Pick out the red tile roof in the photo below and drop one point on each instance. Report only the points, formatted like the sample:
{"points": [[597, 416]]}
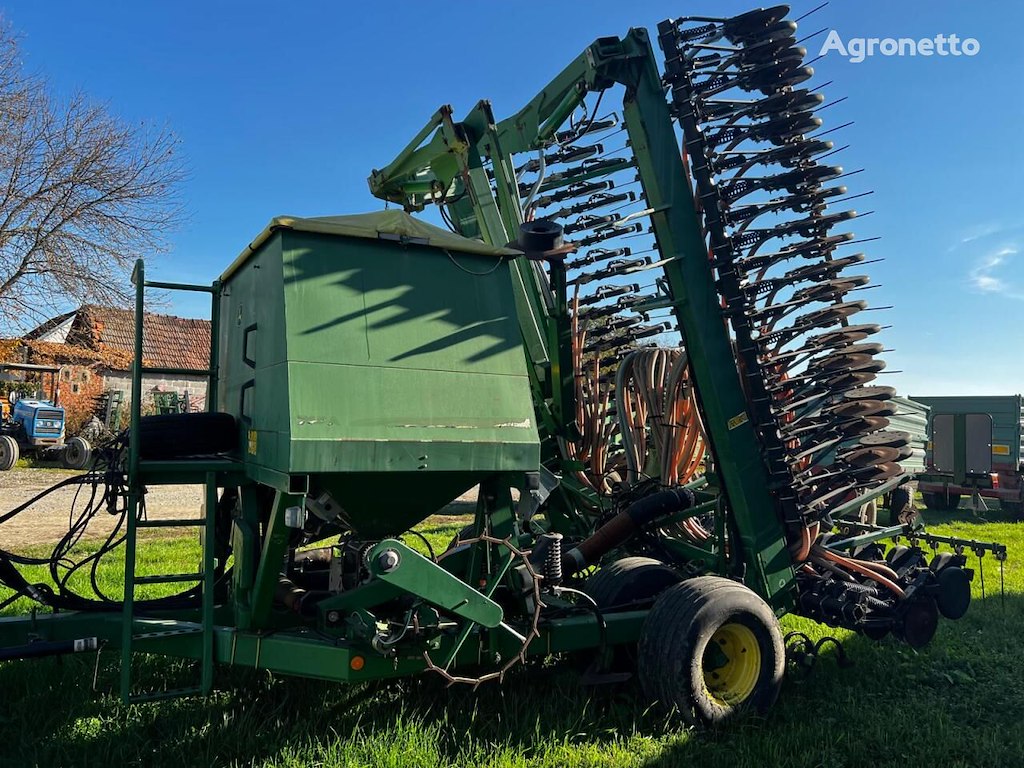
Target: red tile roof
{"points": [[167, 341]]}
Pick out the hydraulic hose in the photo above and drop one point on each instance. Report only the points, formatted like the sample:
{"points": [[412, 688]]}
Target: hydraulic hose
{"points": [[620, 528]]}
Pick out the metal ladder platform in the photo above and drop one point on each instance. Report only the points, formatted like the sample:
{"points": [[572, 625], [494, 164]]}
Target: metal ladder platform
{"points": [[205, 471]]}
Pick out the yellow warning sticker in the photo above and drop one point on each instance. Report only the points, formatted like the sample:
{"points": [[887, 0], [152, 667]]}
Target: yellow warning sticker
{"points": [[1000, 450], [252, 441], [736, 420]]}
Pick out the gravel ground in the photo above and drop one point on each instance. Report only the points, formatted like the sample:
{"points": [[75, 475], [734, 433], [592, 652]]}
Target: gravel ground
{"points": [[47, 520]]}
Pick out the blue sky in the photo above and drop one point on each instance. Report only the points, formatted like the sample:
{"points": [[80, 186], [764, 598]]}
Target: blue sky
{"points": [[284, 109]]}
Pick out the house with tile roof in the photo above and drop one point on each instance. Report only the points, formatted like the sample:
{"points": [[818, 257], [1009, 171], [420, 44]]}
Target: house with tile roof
{"points": [[102, 341]]}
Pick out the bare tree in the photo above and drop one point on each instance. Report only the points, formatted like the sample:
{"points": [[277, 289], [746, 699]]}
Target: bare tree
{"points": [[82, 194]]}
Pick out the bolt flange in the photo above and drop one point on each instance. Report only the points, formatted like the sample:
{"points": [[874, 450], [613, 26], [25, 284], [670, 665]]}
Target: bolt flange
{"points": [[388, 560]]}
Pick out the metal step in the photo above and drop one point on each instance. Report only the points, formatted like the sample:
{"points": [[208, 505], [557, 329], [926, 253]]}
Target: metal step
{"points": [[189, 471]]}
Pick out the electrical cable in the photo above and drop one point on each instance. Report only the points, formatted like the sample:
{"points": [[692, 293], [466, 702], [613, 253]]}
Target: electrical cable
{"points": [[426, 543], [490, 271], [63, 564], [528, 205]]}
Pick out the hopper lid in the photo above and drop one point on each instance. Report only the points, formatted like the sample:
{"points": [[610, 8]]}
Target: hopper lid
{"points": [[394, 225]]}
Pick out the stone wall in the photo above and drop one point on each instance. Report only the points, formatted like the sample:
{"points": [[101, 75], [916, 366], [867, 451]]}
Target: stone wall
{"points": [[194, 385]]}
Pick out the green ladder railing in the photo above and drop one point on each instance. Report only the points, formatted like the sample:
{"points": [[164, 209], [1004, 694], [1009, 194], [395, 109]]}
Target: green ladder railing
{"points": [[142, 472]]}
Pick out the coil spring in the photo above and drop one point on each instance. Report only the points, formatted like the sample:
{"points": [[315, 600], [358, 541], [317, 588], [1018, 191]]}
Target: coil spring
{"points": [[695, 33], [552, 548]]}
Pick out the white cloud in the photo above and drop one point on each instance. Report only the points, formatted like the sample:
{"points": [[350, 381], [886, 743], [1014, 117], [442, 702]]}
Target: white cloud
{"points": [[989, 274], [978, 232]]}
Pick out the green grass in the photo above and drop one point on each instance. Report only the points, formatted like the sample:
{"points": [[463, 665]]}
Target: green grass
{"points": [[36, 462], [958, 702]]}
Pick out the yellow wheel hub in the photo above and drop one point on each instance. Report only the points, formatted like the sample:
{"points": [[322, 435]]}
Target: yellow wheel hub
{"points": [[731, 664]]}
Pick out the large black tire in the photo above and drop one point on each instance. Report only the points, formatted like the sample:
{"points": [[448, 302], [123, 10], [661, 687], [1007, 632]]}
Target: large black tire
{"points": [[932, 500], [9, 452], [950, 501], [76, 454], [630, 580], [177, 435], [631, 583], [712, 649], [899, 499]]}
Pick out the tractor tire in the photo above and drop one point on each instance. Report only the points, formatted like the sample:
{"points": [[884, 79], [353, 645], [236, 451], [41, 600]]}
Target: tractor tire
{"points": [[179, 435], [899, 499], [76, 454], [630, 580], [712, 649], [9, 452]]}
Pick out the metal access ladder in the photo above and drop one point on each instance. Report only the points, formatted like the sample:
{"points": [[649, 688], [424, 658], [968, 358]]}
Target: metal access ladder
{"points": [[142, 473]]}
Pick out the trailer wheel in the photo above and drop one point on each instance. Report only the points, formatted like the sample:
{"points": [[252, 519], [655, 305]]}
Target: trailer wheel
{"points": [[629, 580], [9, 452], [713, 649], [175, 435], [950, 501], [76, 453], [629, 583]]}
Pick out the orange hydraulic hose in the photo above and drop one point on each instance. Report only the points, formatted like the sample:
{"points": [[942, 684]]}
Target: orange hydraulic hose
{"points": [[854, 565], [881, 568], [823, 563]]}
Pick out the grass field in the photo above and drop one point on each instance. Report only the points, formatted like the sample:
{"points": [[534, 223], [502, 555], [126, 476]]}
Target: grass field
{"points": [[958, 702]]}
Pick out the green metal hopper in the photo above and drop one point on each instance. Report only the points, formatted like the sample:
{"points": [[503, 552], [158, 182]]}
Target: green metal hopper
{"points": [[376, 358]]}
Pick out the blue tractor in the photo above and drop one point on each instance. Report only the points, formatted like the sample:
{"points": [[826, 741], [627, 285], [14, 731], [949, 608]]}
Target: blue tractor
{"points": [[36, 424]]}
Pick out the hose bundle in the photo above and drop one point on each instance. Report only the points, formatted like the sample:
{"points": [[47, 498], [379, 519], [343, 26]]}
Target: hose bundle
{"points": [[658, 416], [102, 489]]}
